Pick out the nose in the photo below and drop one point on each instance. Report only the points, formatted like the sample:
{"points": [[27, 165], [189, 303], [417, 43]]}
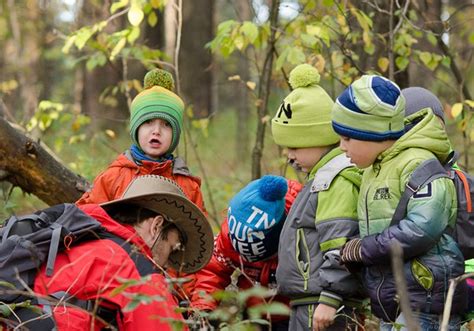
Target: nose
{"points": [[290, 154], [157, 128]]}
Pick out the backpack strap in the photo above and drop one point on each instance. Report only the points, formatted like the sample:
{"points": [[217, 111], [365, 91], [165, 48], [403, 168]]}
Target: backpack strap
{"points": [[425, 173], [14, 225], [53, 248]]}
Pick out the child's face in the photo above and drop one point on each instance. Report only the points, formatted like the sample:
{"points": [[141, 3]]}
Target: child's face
{"points": [[362, 153], [154, 137], [304, 159]]}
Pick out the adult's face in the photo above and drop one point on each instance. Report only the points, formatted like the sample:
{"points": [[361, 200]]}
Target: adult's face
{"points": [[162, 248]]}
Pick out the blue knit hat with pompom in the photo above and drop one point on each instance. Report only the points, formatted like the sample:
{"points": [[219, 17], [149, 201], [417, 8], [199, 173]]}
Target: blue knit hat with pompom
{"points": [[255, 217], [304, 117]]}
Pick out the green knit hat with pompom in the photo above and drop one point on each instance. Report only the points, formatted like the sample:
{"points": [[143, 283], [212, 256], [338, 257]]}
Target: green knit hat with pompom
{"points": [[157, 100], [304, 117]]}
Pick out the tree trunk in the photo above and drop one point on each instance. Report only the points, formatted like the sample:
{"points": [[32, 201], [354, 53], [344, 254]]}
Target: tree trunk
{"points": [[28, 165], [263, 94], [195, 59], [243, 108]]}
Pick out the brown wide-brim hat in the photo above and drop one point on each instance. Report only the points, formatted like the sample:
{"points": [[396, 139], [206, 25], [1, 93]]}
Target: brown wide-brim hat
{"points": [[164, 196]]}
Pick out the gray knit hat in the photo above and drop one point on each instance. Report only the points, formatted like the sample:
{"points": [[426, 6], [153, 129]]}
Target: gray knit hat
{"points": [[418, 98]]}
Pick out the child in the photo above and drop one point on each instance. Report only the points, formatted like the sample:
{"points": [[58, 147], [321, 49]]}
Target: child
{"points": [[324, 215], [369, 117], [156, 123], [418, 98], [248, 241]]}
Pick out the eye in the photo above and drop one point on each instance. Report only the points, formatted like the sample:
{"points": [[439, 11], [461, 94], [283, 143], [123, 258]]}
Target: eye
{"points": [[167, 124]]}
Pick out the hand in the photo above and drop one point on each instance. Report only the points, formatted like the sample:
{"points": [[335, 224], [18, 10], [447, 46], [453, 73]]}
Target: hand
{"points": [[323, 317], [351, 251]]}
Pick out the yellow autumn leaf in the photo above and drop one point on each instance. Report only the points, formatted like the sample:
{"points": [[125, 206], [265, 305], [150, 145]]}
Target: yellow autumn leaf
{"points": [[235, 77], [456, 110], [470, 103], [135, 15], [251, 85], [320, 63], [383, 63], [110, 133]]}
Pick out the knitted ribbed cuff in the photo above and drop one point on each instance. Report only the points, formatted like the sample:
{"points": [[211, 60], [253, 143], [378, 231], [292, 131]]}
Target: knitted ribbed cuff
{"points": [[330, 299], [352, 251]]}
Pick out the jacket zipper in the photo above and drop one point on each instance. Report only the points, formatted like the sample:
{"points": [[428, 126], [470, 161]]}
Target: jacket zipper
{"points": [[379, 287]]}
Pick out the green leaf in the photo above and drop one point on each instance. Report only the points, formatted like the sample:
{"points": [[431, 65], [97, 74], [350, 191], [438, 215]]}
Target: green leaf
{"points": [[82, 36], [117, 5], [383, 63], [432, 39], [425, 57], [133, 34], [69, 42], [401, 62], [135, 15], [308, 40], [7, 284], [152, 19], [296, 55], [328, 3], [471, 38], [446, 61], [118, 47], [250, 30], [282, 58], [470, 103], [369, 49]]}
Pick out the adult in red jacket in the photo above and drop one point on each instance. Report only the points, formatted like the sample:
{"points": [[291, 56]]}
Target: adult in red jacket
{"points": [[248, 241], [162, 226]]}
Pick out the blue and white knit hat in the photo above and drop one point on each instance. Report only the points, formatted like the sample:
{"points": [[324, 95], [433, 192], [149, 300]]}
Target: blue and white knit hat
{"points": [[255, 217], [371, 108]]}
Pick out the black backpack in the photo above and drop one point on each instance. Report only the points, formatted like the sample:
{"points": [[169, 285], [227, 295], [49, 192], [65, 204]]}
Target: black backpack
{"points": [[27, 242], [426, 172]]}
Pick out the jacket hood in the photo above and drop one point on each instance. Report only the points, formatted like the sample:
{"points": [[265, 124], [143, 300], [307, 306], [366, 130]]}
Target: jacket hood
{"points": [[123, 231], [428, 134]]}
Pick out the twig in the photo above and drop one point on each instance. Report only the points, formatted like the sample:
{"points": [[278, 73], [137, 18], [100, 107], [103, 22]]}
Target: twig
{"points": [[402, 291], [449, 298]]}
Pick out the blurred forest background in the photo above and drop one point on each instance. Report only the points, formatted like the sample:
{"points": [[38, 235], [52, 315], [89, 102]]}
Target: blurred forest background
{"points": [[69, 69]]}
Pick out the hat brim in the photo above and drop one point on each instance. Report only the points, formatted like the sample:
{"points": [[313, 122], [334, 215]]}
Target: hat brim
{"points": [[189, 219]]}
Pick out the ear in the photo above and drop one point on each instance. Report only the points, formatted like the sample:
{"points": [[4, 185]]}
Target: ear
{"points": [[155, 225]]}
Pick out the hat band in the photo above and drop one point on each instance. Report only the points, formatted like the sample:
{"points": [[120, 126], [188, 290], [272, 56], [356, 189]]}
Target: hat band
{"points": [[366, 135]]}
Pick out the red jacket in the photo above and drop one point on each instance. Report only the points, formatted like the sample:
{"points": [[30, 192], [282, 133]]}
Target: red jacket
{"points": [[217, 274], [112, 182], [94, 269]]}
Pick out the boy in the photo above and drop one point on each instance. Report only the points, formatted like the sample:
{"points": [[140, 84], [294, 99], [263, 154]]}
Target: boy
{"points": [[248, 241], [324, 214], [369, 117], [156, 123]]}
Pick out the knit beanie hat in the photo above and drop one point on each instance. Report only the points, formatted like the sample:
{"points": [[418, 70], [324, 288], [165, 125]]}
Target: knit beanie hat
{"points": [[371, 108], [157, 101], [304, 117], [255, 217], [418, 98]]}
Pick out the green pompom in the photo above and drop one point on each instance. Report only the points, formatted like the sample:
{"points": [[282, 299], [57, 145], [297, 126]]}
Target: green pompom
{"points": [[304, 75], [158, 77]]}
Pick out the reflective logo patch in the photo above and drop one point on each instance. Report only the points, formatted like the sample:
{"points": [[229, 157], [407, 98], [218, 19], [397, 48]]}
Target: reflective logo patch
{"points": [[424, 192]]}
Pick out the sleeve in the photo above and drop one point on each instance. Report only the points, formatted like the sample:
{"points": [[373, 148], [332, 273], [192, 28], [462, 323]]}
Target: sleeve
{"points": [[157, 312], [102, 189], [336, 223], [428, 214], [216, 275]]}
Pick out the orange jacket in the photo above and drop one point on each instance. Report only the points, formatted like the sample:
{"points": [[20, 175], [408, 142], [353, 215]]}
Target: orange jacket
{"points": [[111, 183]]}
